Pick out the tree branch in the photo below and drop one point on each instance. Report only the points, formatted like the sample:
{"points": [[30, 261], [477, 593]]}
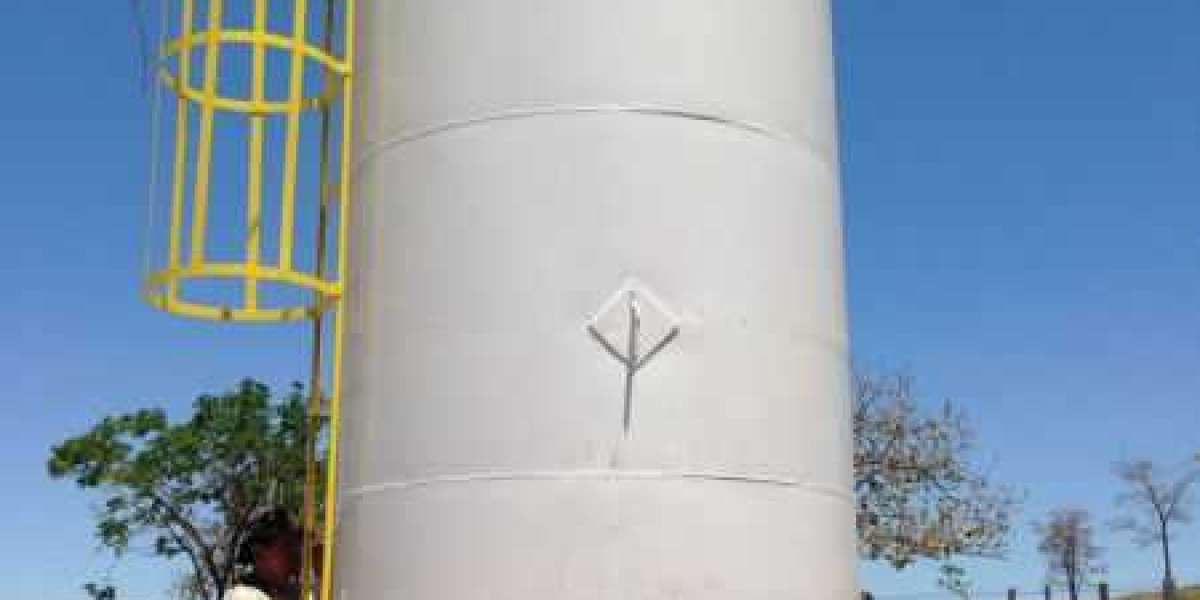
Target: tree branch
{"points": [[193, 534]]}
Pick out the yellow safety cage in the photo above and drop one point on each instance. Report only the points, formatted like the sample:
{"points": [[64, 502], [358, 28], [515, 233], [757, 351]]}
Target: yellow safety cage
{"points": [[277, 75]]}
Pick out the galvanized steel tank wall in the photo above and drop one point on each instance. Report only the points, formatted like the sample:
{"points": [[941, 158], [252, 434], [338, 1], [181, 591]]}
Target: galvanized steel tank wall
{"points": [[535, 180]]}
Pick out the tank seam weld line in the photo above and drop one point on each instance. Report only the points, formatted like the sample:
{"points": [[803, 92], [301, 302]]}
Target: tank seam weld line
{"points": [[373, 149], [606, 474]]}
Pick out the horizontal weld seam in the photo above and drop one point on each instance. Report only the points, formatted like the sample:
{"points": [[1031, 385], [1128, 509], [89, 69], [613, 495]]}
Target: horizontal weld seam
{"points": [[602, 475], [374, 149]]}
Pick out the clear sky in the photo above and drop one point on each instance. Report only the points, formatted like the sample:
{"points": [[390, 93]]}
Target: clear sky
{"points": [[1022, 183]]}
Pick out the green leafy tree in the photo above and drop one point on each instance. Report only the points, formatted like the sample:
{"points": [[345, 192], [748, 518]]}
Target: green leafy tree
{"points": [[920, 495], [190, 489]]}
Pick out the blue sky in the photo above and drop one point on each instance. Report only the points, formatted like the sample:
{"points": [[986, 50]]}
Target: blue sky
{"points": [[1021, 180]]}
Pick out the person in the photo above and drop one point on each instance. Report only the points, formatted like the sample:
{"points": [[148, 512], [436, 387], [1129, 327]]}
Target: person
{"points": [[242, 591], [271, 554]]}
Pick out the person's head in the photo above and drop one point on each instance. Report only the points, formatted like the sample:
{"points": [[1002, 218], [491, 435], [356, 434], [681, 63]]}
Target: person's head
{"points": [[275, 545]]}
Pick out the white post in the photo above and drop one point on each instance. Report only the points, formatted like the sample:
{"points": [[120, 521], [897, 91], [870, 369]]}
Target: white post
{"points": [[597, 334]]}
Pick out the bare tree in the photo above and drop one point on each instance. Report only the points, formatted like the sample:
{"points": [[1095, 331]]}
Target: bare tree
{"points": [[1066, 542], [1156, 503], [920, 495]]}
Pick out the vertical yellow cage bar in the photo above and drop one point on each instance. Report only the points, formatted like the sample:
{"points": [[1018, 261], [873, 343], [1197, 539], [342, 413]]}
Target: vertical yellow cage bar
{"points": [[254, 179], [179, 173], [212, 70], [291, 146]]}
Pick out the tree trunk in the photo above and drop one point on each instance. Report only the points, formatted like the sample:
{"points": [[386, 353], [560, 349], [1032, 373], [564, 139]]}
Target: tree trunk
{"points": [[1072, 572], [1168, 584], [1168, 588], [218, 585]]}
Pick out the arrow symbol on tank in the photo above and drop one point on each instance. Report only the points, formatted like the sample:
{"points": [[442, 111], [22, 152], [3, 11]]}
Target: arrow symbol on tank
{"points": [[633, 327]]}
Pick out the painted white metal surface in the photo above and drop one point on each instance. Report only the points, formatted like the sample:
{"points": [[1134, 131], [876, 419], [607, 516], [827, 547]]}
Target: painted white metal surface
{"points": [[535, 176]]}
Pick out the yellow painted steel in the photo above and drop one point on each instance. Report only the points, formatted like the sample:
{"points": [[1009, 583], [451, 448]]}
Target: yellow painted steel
{"points": [[195, 191], [254, 181], [179, 181], [187, 265], [262, 107], [328, 292], [212, 66], [315, 422], [291, 147], [333, 469], [260, 37]]}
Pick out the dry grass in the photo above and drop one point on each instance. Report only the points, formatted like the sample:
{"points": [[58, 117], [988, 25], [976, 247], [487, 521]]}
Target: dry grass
{"points": [[1187, 593]]}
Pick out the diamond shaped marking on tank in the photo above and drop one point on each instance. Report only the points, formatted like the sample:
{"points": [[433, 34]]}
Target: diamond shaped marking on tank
{"points": [[633, 326]]}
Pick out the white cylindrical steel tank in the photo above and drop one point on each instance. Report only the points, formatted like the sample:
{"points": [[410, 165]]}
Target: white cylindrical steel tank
{"points": [[597, 336]]}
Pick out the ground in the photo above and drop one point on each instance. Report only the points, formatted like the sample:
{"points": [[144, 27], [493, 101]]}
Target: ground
{"points": [[1187, 593]]}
